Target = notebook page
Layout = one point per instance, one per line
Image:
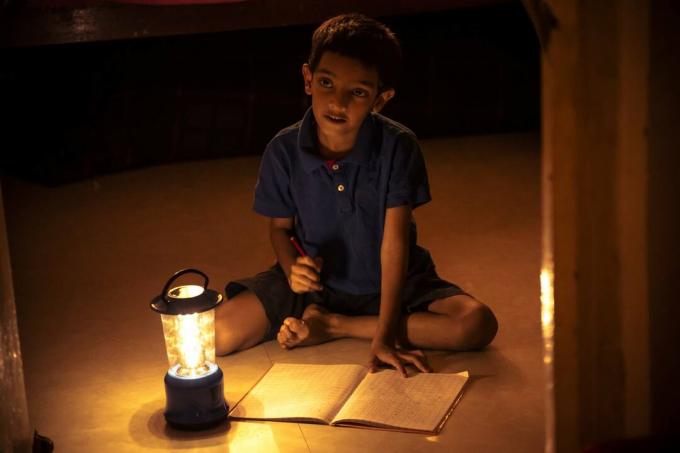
(418, 402)
(299, 391)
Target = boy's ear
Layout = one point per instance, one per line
(382, 99)
(307, 77)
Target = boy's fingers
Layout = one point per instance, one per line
(415, 357)
(302, 269)
(301, 280)
(401, 369)
(315, 263)
(306, 261)
(373, 365)
(309, 285)
(417, 361)
(300, 283)
(396, 363)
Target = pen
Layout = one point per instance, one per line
(297, 246)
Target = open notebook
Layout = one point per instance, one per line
(347, 395)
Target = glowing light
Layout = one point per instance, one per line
(548, 330)
(186, 291)
(547, 313)
(190, 343)
(190, 351)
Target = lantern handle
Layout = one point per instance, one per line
(179, 274)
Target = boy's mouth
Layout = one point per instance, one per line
(336, 118)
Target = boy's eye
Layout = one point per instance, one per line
(359, 93)
(326, 83)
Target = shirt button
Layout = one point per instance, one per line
(335, 167)
(341, 188)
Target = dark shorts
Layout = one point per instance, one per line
(279, 301)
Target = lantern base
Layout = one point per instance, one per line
(195, 404)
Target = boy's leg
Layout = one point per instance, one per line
(240, 323)
(457, 323)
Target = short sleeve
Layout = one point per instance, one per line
(408, 183)
(272, 190)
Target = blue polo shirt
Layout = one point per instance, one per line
(339, 210)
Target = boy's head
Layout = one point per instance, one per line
(351, 71)
(363, 39)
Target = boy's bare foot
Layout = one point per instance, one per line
(313, 328)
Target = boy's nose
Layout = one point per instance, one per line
(340, 101)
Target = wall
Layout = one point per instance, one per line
(74, 111)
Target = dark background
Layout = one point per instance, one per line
(77, 110)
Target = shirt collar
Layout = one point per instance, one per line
(307, 143)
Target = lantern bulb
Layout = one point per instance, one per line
(190, 344)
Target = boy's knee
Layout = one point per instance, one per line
(223, 344)
(479, 327)
(225, 349)
(229, 338)
(240, 323)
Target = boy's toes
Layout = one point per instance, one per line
(285, 336)
(298, 327)
(292, 332)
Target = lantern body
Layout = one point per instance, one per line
(190, 344)
(193, 383)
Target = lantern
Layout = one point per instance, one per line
(193, 383)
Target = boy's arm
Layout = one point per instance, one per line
(302, 272)
(394, 264)
(279, 234)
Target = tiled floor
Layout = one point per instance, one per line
(88, 257)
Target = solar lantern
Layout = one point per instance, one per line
(193, 383)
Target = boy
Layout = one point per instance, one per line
(343, 182)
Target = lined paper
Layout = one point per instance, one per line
(419, 402)
(300, 391)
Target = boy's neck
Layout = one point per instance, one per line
(335, 147)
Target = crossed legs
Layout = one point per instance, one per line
(457, 323)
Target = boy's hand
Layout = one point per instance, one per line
(304, 275)
(381, 353)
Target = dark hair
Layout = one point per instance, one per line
(362, 38)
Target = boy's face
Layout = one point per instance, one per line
(343, 92)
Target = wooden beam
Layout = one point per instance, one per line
(594, 181)
(15, 429)
(30, 25)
